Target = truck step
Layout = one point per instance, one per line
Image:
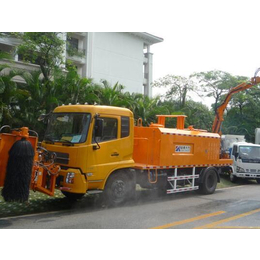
(92, 192)
(183, 177)
(182, 189)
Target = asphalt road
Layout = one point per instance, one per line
(235, 207)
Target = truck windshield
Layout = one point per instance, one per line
(68, 128)
(250, 154)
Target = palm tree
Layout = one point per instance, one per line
(112, 96)
(8, 95)
(32, 99)
(147, 109)
(141, 106)
(71, 88)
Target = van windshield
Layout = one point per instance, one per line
(249, 154)
(68, 128)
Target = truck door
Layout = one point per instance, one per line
(109, 153)
(233, 154)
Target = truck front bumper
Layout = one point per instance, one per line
(247, 175)
(72, 180)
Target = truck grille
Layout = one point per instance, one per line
(62, 158)
(251, 170)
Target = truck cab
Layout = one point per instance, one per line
(246, 161)
(87, 158)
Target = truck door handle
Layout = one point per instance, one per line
(115, 154)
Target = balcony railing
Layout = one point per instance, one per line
(76, 52)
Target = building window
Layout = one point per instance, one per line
(73, 43)
(30, 59)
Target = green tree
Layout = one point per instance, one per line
(198, 115)
(131, 100)
(111, 95)
(33, 100)
(47, 50)
(8, 95)
(216, 84)
(177, 87)
(147, 108)
(71, 88)
(43, 48)
(243, 116)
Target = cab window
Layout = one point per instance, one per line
(125, 126)
(109, 129)
(234, 150)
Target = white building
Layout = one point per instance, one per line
(122, 57)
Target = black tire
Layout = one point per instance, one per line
(232, 178)
(209, 184)
(119, 189)
(72, 196)
(258, 180)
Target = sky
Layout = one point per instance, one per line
(208, 35)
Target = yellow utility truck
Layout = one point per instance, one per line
(99, 149)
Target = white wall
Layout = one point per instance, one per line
(118, 57)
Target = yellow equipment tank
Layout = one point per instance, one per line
(157, 147)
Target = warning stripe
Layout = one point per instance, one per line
(182, 177)
(203, 136)
(182, 189)
(179, 166)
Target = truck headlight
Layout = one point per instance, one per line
(240, 169)
(70, 177)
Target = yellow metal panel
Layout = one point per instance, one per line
(80, 184)
(93, 109)
(167, 147)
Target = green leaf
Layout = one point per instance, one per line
(2, 86)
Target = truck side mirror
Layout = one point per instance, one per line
(99, 126)
(44, 118)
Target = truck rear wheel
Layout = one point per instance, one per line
(118, 189)
(209, 184)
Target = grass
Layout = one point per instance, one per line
(39, 202)
(225, 182)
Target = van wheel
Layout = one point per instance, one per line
(258, 180)
(232, 177)
(209, 183)
(118, 189)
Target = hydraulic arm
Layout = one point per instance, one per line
(220, 110)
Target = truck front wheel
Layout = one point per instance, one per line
(118, 189)
(232, 177)
(209, 183)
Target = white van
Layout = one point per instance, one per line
(246, 160)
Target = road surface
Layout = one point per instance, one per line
(235, 207)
